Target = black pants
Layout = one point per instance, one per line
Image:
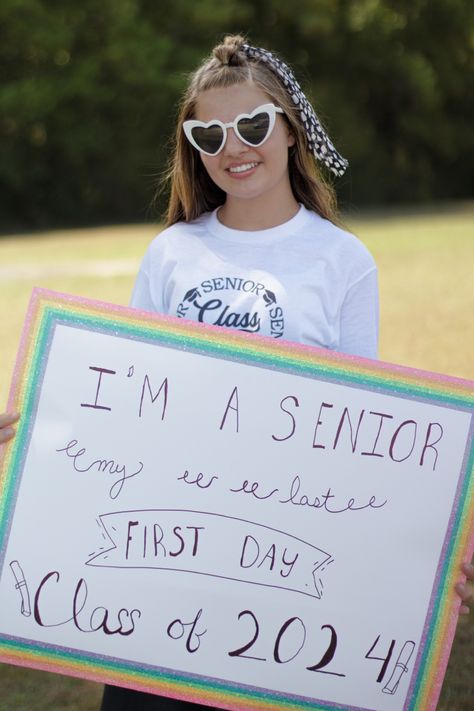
(117, 698)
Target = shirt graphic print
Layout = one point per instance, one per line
(234, 302)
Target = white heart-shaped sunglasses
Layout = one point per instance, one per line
(252, 129)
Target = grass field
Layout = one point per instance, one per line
(427, 304)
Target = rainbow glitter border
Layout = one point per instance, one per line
(47, 308)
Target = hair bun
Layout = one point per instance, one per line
(230, 51)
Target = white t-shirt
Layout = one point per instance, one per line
(306, 281)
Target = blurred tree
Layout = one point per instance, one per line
(88, 94)
(395, 77)
(85, 102)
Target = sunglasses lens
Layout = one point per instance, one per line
(208, 139)
(254, 130)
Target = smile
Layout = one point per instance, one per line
(242, 168)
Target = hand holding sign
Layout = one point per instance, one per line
(465, 591)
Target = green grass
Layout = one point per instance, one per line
(59, 260)
(426, 294)
(427, 304)
(32, 690)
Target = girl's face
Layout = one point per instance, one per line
(245, 172)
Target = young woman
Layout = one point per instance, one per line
(253, 241)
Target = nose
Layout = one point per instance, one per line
(233, 144)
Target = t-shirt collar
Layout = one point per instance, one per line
(269, 235)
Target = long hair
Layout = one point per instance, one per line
(192, 190)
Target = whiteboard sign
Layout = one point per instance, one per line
(229, 520)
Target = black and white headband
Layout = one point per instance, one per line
(319, 142)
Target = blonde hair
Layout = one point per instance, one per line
(192, 190)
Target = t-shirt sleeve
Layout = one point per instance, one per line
(359, 319)
(144, 296)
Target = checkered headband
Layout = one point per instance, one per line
(319, 142)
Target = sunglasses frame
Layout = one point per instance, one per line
(270, 109)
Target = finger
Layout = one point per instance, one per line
(8, 418)
(468, 570)
(465, 593)
(464, 610)
(6, 433)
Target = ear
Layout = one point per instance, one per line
(291, 139)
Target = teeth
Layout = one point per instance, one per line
(242, 168)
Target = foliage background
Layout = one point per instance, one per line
(88, 93)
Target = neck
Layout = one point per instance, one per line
(260, 214)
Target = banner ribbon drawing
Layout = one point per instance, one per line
(192, 542)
